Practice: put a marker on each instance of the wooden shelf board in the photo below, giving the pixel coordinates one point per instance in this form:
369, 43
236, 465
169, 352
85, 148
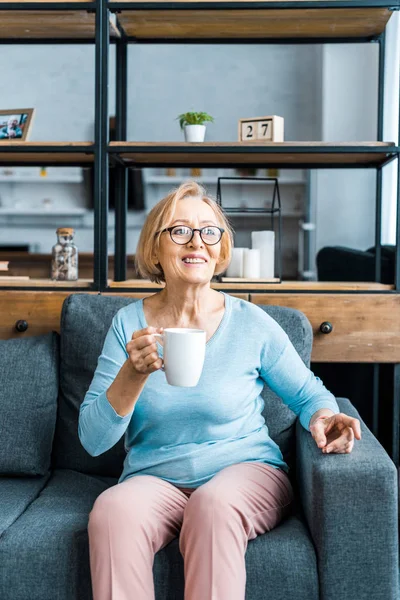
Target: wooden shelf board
290, 154
12, 153
142, 153
240, 287
48, 283
44, 2
285, 285
168, 180
46, 24
251, 24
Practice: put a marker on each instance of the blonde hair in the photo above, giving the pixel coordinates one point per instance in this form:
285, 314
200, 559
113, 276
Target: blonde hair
160, 217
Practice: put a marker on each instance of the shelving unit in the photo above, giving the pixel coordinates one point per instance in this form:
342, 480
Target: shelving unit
294, 155
33, 175
221, 21
165, 179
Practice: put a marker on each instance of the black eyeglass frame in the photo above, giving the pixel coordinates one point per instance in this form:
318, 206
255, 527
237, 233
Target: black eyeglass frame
170, 229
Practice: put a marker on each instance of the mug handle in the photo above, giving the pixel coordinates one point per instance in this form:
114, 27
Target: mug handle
161, 336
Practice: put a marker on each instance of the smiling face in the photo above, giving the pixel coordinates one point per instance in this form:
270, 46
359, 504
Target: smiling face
195, 213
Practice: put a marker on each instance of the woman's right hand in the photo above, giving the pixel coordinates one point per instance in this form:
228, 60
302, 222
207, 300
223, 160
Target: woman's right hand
142, 351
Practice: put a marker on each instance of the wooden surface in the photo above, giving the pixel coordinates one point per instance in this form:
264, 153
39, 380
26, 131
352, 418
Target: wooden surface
138, 284
271, 287
17, 282
142, 153
295, 153
260, 23
44, 2
366, 327
42, 310
37, 266
36, 155
249, 280
46, 24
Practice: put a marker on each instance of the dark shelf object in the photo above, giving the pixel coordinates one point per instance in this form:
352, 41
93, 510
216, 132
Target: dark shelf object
275, 213
326, 327
21, 326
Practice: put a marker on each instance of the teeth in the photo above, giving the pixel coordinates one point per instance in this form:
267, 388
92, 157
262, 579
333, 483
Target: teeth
194, 260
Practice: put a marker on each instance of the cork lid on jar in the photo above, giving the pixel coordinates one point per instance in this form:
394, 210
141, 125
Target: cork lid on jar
65, 231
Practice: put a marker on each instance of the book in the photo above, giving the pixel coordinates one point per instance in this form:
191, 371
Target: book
4, 265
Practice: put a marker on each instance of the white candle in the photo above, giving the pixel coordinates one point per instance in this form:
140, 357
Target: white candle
265, 242
235, 268
251, 264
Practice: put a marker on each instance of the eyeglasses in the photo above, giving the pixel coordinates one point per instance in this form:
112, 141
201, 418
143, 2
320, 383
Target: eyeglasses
182, 234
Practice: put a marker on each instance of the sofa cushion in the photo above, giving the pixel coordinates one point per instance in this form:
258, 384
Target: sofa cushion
85, 321
16, 494
49, 542
28, 403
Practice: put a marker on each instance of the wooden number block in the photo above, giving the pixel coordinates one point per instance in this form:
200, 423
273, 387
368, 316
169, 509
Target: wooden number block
248, 131
264, 130
261, 129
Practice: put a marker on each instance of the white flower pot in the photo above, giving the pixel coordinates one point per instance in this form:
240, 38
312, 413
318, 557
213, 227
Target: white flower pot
195, 133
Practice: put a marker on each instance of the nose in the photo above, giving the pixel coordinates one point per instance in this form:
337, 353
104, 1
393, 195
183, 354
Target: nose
196, 239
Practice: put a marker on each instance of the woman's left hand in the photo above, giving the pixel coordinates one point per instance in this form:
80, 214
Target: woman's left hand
336, 433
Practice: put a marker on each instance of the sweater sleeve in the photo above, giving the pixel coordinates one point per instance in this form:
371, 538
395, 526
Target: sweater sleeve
285, 373
100, 427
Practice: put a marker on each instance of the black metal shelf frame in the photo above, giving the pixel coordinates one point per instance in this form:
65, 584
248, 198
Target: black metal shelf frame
120, 235
102, 153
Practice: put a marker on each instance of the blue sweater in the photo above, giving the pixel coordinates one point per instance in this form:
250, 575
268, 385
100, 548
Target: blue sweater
187, 435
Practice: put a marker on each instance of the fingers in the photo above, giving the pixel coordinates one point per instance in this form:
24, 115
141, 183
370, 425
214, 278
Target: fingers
141, 332
142, 350
144, 337
152, 362
156, 364
340, 421
343, 444
318, 432
356, 427
340, 430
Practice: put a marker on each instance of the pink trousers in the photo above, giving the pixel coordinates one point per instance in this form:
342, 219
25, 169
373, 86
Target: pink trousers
133, 520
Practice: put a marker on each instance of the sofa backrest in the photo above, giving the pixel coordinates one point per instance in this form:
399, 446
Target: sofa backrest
85, 320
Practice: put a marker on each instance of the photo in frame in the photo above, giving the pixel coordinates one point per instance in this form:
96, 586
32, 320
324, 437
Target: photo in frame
15, 124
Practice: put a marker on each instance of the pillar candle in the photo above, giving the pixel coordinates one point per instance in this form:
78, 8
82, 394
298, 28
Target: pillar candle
251, 264
265, 242
235, 268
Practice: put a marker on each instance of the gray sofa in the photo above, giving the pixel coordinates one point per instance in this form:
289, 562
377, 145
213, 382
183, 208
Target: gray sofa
340, 541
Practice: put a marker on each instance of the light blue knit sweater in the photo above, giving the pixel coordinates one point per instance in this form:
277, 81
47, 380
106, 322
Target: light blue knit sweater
187, 435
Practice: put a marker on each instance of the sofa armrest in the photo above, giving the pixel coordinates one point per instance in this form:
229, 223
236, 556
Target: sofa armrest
350, 502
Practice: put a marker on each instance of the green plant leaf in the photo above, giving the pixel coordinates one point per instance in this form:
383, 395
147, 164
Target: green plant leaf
194, 118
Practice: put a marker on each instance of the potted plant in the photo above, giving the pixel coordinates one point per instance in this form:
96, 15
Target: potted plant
193, 126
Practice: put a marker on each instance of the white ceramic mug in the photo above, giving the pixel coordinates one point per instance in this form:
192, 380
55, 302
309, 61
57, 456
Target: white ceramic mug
184, 351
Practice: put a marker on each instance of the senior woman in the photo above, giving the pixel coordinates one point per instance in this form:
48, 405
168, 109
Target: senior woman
200, 462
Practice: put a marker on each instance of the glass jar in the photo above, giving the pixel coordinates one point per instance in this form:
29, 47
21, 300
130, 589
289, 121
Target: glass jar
64, 263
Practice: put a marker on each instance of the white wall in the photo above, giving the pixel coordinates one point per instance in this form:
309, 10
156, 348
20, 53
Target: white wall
325, 93
164, 80
391, 127
345, 198
228, 81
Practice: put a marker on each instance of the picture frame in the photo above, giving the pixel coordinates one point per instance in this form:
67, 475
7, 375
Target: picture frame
261, 129
15, 124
